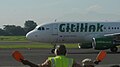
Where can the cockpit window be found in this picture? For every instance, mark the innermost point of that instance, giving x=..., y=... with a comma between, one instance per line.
x=41, y=28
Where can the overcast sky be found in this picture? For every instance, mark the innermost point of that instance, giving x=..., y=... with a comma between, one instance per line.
x=16, y=12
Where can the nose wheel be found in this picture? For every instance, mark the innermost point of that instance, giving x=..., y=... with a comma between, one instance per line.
x=53, y=50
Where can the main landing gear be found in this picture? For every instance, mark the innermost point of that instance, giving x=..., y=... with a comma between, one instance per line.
x=114, y=49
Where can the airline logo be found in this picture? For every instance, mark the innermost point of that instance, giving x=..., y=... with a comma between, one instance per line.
x=80, y=27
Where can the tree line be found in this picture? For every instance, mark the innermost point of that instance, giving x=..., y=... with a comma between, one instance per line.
x=13, y=30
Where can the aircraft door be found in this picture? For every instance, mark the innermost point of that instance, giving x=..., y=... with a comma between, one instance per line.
x=55, y=29
x=55, y=32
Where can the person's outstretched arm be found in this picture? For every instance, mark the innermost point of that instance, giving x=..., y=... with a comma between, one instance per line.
x=96, y=62
x=47, y=63
x=26, y=62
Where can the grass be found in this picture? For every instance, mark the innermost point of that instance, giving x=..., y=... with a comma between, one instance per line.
x=40, y=45
x=26, y=46
x=13, y=38
x=29, y=45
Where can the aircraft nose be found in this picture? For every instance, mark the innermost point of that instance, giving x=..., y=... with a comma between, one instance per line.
x=28, y=36
x=31, y=35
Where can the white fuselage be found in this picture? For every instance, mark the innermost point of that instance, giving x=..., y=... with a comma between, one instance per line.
x=72, y=32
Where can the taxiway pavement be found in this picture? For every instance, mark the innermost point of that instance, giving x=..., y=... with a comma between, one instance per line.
x=39, y=55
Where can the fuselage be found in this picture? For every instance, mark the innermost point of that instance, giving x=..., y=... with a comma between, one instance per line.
x=72, y=32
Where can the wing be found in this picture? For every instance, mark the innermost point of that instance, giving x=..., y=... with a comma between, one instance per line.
x=113, y=35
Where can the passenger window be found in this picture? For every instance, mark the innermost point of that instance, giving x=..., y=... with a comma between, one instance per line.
x=47, y=28
x=117, y=27
x=104, y=27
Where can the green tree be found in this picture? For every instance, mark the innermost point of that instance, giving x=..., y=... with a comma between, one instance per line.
x=29, y=25
x=14, y=30
x=2, y=32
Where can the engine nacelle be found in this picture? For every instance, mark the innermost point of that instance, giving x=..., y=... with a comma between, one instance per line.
x=99, y=43
x=102, y=43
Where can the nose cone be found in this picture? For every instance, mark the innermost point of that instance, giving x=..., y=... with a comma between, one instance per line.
x=31, y=36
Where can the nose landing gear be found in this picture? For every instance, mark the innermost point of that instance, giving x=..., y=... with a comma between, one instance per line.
x=53, y=50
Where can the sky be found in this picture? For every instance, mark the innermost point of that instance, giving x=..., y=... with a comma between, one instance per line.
x=16, y=12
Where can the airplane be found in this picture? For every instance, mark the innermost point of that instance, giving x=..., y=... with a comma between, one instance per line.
x=97, y=35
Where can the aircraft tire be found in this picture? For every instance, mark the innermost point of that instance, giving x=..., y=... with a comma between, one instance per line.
x=114, y=49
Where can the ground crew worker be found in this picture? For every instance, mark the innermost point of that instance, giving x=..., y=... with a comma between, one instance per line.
x=60, y=60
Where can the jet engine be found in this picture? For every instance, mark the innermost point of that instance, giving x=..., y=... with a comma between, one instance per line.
x=98, y=43
x=102, y=43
